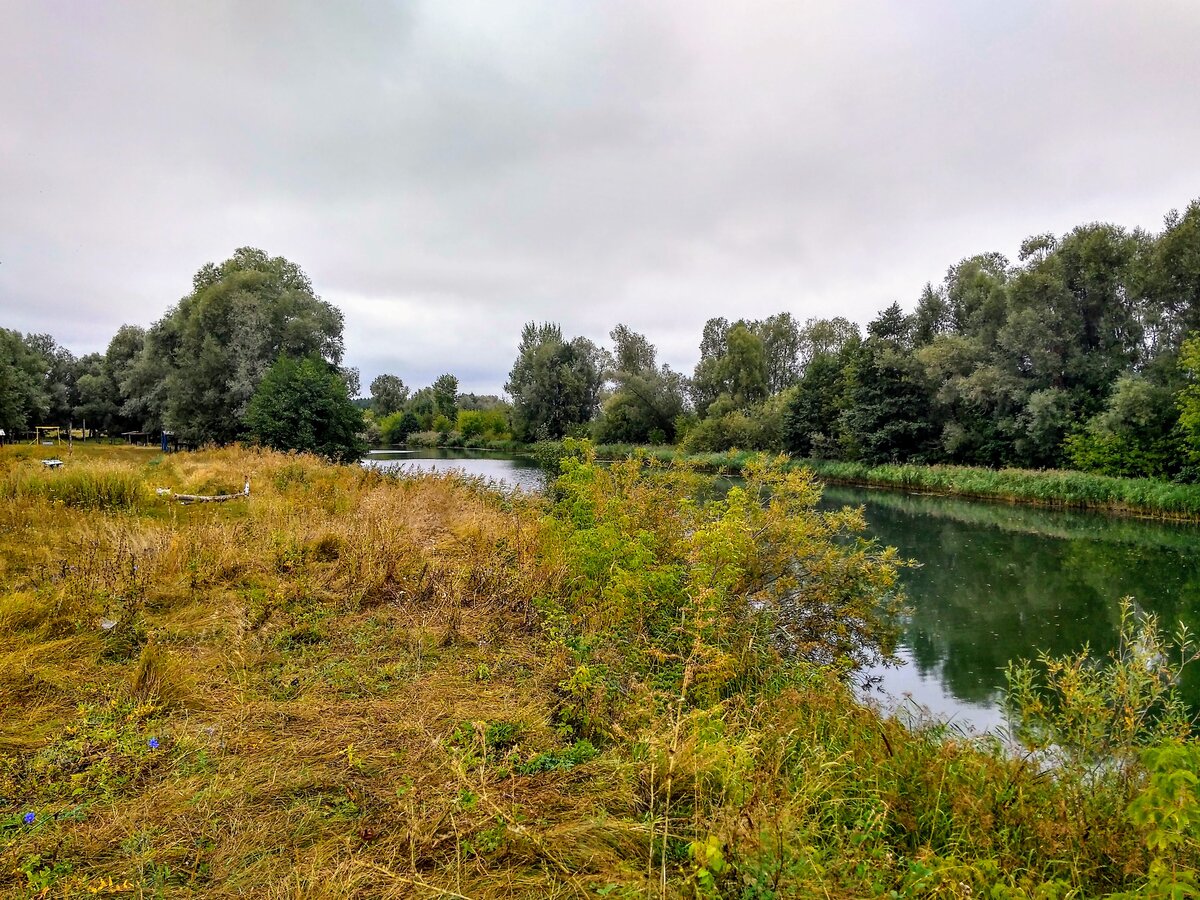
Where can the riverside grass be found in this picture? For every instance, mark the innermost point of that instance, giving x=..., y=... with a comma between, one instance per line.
x=1038, y=487
x=356, y=685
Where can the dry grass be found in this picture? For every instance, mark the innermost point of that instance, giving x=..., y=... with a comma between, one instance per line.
x=303, y=660
x=352, y=685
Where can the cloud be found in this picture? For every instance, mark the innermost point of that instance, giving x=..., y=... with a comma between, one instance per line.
x=448, y=170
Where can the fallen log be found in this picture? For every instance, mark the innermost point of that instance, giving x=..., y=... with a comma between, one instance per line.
x=209, y=498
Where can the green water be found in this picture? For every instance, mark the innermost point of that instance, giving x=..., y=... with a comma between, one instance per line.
x=995, y=583
x=999, y=582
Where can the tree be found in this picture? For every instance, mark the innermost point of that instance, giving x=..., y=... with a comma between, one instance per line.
x=97, y=397
x=826, y=336
x=554, y=384
x=888, y=402
x=445, y=396
x=61, y=372
x=733, y=364
x=303, y=404
x=1134, y=436
x=388, y=395
x=1188, y=399
x=782, y=345
x=648, y=399
x=396, y=428
x=24, y=400
x=203, y=361
x=812, y=421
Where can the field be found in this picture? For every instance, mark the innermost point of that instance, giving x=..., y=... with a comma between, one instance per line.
x=355, y=685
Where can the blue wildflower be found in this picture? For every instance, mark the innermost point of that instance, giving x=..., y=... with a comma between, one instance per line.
x=29, y=818
x=152, y=743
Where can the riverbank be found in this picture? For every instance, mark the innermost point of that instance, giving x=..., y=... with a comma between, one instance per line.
x=351, y=684
x=1049, y=488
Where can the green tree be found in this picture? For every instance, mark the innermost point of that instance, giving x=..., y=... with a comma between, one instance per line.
x=1188, y=398
x=203, y=361
x=388, y=395
x=396, y=428
x=554, y=383
x=97, y=397
x=782, y=345
x=303, y=404
x=647, y=400
x=888, y=402
x=1134, y=436
x=61, y=372
x=826, y=336
x=811, y=423
x=445, y=396
x=24, y=399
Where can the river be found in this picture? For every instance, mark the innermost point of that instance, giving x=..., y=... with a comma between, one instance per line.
x=995, y=583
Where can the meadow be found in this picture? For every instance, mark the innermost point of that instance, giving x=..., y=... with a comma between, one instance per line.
x=352, y=684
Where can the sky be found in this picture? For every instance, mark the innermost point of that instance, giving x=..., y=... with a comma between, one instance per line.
x=446, y=171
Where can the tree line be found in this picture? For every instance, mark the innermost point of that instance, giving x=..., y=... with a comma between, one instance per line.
x=1082, y=353
x=251, y=353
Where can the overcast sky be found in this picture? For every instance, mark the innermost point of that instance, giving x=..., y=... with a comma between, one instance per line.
x=446, y=171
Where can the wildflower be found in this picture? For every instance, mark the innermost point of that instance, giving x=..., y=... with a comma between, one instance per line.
x=152, y=743
x=29, y=818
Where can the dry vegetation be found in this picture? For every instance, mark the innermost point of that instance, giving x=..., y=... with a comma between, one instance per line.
x=352, y=685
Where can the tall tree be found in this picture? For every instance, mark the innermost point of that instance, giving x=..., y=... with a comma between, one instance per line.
x=648, y=399
x=782, y=347
x=203, y=361
x=388, y=395
x=24, y=398
x=445, y=396
x=554, y=383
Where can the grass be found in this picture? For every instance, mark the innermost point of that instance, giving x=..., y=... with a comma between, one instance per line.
x=1037, y=487
x=357, y=685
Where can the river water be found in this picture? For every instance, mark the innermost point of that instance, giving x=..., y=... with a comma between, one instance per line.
x=995, y=583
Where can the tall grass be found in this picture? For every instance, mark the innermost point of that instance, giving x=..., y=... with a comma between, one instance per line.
x=354, y=684
x=1074, y=490
x=110, y=487
x=1051, y=488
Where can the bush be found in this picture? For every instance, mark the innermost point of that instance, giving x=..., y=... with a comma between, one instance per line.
x=424, y=439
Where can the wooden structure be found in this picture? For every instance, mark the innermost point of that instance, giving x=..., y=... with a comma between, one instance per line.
x=47, y=435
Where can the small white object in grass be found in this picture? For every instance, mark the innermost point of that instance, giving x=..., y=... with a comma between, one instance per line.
x=52, y=463
x=108, y=624
x=163, y=492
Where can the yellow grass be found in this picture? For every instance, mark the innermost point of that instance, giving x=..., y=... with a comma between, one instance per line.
x=302, y=659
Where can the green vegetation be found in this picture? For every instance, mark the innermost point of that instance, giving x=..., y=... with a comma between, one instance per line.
x=303, y=405
x=1084, y=354
x=353, y=684
x=1050, y=488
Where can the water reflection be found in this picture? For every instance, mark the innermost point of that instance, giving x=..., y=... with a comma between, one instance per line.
x=998, y=583
x=502, y=467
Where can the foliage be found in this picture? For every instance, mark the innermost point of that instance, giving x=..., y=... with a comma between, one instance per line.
x=395, y=428
x=24, y=401
x=648, y=398
x=304, y=405
x=394, y=675
x=1189, y=395
x=554, y=383
x=491, y=424
x=202, y=362
x=388, y=395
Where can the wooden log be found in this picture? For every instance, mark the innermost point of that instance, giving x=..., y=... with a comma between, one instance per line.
x=214, y=498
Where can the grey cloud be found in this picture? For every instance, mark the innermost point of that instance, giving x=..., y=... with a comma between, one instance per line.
x=448, y=170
